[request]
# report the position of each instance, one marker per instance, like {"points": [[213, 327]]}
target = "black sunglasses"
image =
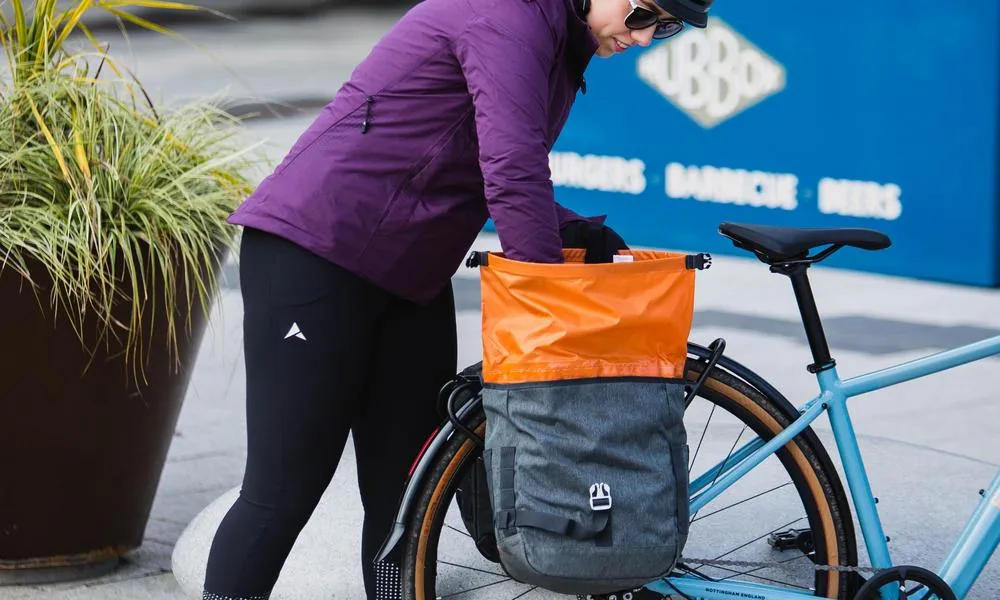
{"points": [[641, 17]]}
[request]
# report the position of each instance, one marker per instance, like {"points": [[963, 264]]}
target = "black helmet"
{"points": [[692, 12]]}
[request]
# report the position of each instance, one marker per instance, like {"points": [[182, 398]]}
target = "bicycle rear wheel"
{"points": [[796, 489]]}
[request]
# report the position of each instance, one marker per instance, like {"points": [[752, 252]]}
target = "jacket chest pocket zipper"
{"points": [[366, 124]]}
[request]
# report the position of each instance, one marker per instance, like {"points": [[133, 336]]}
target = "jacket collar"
{"points": [[581, 43]]}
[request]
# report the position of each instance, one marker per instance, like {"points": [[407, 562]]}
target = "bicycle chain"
{"points": [[743, 563]]}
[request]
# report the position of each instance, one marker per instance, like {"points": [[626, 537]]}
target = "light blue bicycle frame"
{"points": [[972, 549]]}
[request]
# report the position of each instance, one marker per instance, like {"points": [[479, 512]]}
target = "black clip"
{"points": [[700, 261], [477, 259]]}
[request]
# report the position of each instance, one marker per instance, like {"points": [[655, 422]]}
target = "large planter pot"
{"points": [[82, 442]]}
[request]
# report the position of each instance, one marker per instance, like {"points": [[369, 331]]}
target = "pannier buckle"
{"points": [[600, 497]]}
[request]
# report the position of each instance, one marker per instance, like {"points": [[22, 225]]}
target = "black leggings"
{"points": [[326, 354]]}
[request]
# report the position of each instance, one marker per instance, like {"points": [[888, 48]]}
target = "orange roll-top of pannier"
{"points": [[547, 322]]}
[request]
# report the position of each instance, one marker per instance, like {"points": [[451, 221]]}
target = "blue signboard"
{"points": [[810, 114]]}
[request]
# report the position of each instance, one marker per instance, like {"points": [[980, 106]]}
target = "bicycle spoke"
{"points": [[451, 564], [776, 564], [762, 578], [702, 439], [687, 569], [728, 456], [759, 538], [453, 528], [715, 512], [533, 588], [480, 587], [724, 462]]}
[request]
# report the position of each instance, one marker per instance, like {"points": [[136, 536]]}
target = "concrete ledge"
{"points": [[326, 559]]}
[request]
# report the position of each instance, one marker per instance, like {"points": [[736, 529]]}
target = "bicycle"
{"points": [[786, 457]]}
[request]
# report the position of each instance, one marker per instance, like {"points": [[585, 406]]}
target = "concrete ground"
{"points": [[931, 444]]}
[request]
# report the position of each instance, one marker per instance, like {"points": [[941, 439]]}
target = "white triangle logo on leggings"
{"points": [[295, 332]]}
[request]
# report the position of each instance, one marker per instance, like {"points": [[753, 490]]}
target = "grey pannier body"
{"points": [[588, 481]]}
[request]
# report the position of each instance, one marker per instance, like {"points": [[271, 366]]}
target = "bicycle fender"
{"points": [[418, 473]]}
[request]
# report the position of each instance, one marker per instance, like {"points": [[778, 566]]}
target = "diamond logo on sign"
{"points": [[711, 74]]}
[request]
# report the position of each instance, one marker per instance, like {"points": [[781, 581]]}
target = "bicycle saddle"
{"points": [[773, 244]]}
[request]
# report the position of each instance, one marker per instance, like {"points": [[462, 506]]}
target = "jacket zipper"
{"points": [[366, 124]]}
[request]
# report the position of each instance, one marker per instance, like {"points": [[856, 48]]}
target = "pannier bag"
{"points": [[585, 450]]}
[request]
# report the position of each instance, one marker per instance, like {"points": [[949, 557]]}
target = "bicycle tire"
{"points": [[808, 465]]}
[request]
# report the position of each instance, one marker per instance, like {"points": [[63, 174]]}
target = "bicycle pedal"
{"points": [[792, 539]]}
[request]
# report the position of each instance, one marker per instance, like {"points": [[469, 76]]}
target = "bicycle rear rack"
{"points": [[717, 347], [465, 386]]}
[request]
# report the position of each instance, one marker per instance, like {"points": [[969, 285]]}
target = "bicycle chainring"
{"points": [[912, 582]]}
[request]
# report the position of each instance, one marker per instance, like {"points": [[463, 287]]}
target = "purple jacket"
{"points": [[447, 122]]}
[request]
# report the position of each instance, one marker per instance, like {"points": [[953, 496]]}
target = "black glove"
{"points": [[600, 241]]}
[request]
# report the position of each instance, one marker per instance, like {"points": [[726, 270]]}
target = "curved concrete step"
{"points": [[324, 563]]}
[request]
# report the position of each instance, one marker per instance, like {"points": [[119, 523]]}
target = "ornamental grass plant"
{"points": [[100, 189]]}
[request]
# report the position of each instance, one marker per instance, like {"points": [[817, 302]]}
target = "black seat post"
{"points": [[797, 272]]}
